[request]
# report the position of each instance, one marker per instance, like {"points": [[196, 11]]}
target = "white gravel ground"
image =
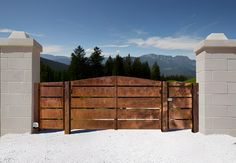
{"points": [[118, 146]]}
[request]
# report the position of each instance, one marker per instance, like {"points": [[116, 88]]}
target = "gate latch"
{"points": [[169, 99]]}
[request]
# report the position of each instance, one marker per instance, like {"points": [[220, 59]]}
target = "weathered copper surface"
{"points": [[118, 102]]}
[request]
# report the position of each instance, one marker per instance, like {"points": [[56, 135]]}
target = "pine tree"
{"points": [[78, 68], [95, 61], [137, 68], [146, 72], [108, 66], [46, 73], [118, 67], [128, 66], [155, 72]]}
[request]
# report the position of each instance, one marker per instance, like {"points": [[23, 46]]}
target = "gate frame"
{"points": [[164, 115]]}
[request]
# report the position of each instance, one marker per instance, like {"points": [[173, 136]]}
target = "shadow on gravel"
{"points": [[48, 131], [45, 131], [173, 130], [83, 131]]}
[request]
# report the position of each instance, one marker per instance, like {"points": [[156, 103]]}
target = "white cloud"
{"points": [[104, 53], [50, 49], [140, 32], [114, 46], [6, 30], [89, 50], [169, 43], [36, 34]]}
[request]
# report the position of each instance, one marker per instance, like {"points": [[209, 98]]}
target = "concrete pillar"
{"points": [[19, 70], [216, 75]]}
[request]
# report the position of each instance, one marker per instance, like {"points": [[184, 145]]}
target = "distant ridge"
{"points": [[177, 65], [60, 59], [54, 65]]}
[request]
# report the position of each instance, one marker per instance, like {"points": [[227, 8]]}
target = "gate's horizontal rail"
{"points": [[51, 113], [139, 102], [180, 124], [93, 102], [51, 102], [52, 91], [180, 113], [181, 103], [139, 124], [93, 91], [139, 114], [92, 124], [180, 92], [51, 124], [80, 114], [138, 91]]}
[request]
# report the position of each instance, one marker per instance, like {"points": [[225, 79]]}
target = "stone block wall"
{"points": [[216, 75], [20, 69]]}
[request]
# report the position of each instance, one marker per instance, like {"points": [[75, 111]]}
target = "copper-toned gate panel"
{"points": [[139, 91], [117, 102], [93, 91], [131, 81], [82, 114], [139, 124], [139, 114], [92, 124], [100, 81], [93, 102], [139, 103]]}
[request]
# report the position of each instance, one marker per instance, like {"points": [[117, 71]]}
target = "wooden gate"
{"points": [[117, 102]]}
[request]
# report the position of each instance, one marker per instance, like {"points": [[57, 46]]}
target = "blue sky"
{"points": [[167, 27]]}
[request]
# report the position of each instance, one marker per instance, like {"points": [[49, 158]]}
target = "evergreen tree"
{"points": [[137, 68], [128, 66], [108, 66], [46, 73], [118, 66], [65, 75], [78, 68], [145, 73], [155, 72], [95, 61]]}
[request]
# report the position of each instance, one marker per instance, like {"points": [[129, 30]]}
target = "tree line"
{"points": [[82, 67]]}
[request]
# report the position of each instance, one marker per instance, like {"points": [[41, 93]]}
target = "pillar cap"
{"points": [[216, 36], [216, 43], [18, 34], [19, 39]]}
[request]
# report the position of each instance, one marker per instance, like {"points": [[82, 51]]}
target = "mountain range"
{"points": [[53, 64], [61, 59], [169, 65]]}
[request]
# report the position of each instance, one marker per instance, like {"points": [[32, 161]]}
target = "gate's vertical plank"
{"points": [[67, 108], [63, 109], [195, 110], [116, 96], [164, 107]]}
